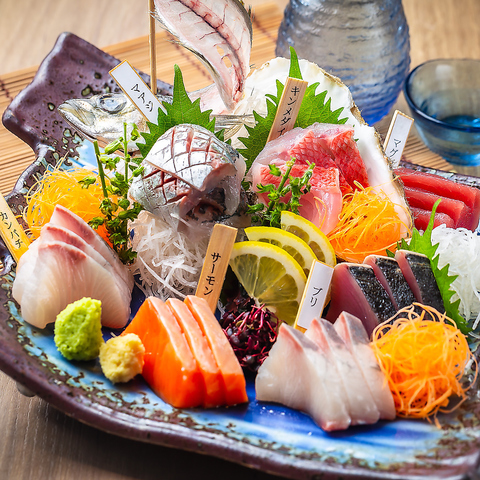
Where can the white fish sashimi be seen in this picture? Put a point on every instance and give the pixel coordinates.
(352, 332)
(65, 218)
(297, 374)
(361, 405)
(53, 275)
(53, 233)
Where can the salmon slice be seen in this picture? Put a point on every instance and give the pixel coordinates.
(353, 333)
(361, 406)
(170, 367)
(214, 385)
(235, 385)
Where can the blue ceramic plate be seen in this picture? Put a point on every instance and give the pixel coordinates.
(264, 436)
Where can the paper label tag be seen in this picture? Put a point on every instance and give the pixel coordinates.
(215, 264)
(11, 231)
(288, 107)
(397, 137)
(314, 295)
(137, 90)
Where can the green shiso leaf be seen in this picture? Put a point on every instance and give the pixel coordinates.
(315, 108)
(423, 244)
(181, 110)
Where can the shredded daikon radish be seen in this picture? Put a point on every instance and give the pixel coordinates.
(168, 262)
(460, 248)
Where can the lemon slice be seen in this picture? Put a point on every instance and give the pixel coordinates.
(311, 235)
(270, 276)
(289, 242)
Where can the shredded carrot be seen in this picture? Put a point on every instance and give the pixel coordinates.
(368, 225)
(423, 356)
(59, 186)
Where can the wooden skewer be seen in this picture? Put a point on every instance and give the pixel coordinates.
(153, 48)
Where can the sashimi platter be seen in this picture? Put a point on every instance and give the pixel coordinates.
(236, 279)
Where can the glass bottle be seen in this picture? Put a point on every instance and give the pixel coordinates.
(363, 42)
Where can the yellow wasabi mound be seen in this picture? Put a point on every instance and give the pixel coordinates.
(121, 358)
(78, 330)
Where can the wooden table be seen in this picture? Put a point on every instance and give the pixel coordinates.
(37, 441)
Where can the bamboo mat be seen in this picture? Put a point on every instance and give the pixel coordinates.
(15, 156)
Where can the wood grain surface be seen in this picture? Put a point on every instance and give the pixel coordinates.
(38, 442)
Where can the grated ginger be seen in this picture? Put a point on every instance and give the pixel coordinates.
(168, 262)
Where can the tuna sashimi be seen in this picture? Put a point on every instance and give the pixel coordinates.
(390, 275)
(418, 272)
(455, 209)
(322, 205)
(214, 385)
(361, 406)
(170, 368)
(421, 218)
(65, 218)
(298, 374)
(356, 290)
(53, 275)
(235, 385)
(352, 332)
(444, 188)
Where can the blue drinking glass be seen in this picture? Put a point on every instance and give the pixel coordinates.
(363, 42)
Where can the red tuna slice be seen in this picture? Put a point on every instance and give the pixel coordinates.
(310, 149)
(355, 289)
(444, 188)
(418, 272)
(351, 331)
(455, 209)
(390, 275)
(322, 205)
(421, 218)
(361, 406)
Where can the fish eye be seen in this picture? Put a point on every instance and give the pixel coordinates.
(111, 103)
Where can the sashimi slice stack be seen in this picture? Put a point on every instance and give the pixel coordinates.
(67, 262)
(376, 290)
(188, 359)
(459, 206)
(330, 373)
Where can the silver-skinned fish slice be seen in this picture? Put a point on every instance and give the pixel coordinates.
(190, 177)
(214, 30)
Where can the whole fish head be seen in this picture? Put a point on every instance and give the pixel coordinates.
(101, 117)
(216, 31)
(192, 180)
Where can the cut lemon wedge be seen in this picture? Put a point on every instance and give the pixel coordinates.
(311, 235)
(289, 242)
(270, 276)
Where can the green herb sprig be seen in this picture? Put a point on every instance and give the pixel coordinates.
(271, 215)
(116, 208)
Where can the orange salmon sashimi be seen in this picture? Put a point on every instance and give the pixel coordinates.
(235, 385)
(170, 367)
(322, 205)
(214, 385)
